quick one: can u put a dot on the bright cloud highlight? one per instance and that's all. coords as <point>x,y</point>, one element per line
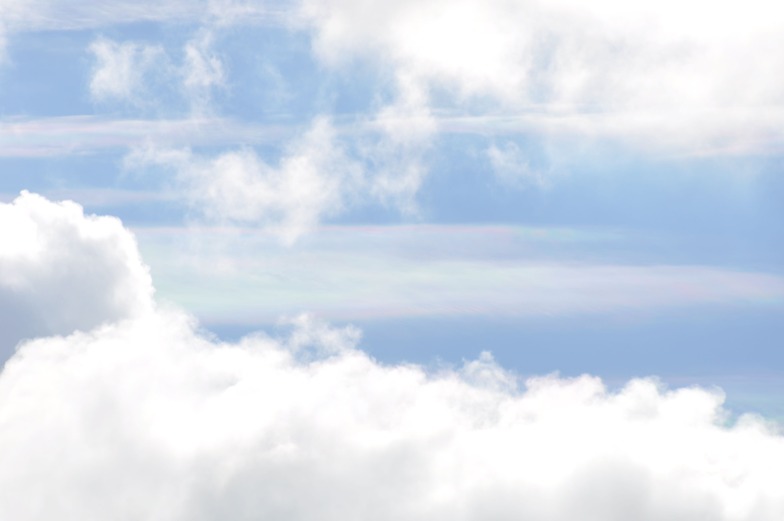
<point>61,270</point>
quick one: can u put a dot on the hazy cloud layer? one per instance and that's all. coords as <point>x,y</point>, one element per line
<point>348,273</point>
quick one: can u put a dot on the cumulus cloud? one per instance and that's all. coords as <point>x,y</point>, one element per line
<point>64,135</point>
<point>650,68</point>
<point>61,270</point>
<point>314,179</point>
<point>3,44</point>
<point>148,420</point>
<point>145,418</point>
<point>24,15</point>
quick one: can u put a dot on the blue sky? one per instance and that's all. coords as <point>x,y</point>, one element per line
<point>576,189</point>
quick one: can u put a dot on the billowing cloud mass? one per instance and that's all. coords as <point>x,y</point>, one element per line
<point>146,419</point>
<point>61,270</point>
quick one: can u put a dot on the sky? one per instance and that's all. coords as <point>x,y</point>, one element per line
<point>428,259</point>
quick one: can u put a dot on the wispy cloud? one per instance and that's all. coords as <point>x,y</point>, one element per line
<point>139,74</point>
<point>37,137</point>
<point>696,132</point>
<point>64,135</point>
<point>202,71</point>
<point>511,167</point>
<point>120,70</point>
<point>36,15</point>
<point>347,272</point>
<point>313,179</point>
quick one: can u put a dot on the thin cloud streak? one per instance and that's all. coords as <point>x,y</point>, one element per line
<point>82,134</point>
<point>62,15</point>
<point>86,134</point>
<point>146,419</point>
<point>370,274</point>
<point>709,132</point>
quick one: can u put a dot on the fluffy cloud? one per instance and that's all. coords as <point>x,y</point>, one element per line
<point>147,419</point>
<point>315,178</point>
<point>710,72</point>
<point>61,270</point>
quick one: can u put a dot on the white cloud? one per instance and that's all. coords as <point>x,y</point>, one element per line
<point>402,133</point>
<point>120,70</point>
<point>61,270</point>
<point>145,419</point>
<point>314,179</point>
<point>668,63</point>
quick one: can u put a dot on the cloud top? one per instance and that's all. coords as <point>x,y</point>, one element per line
<point>148,420</point>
